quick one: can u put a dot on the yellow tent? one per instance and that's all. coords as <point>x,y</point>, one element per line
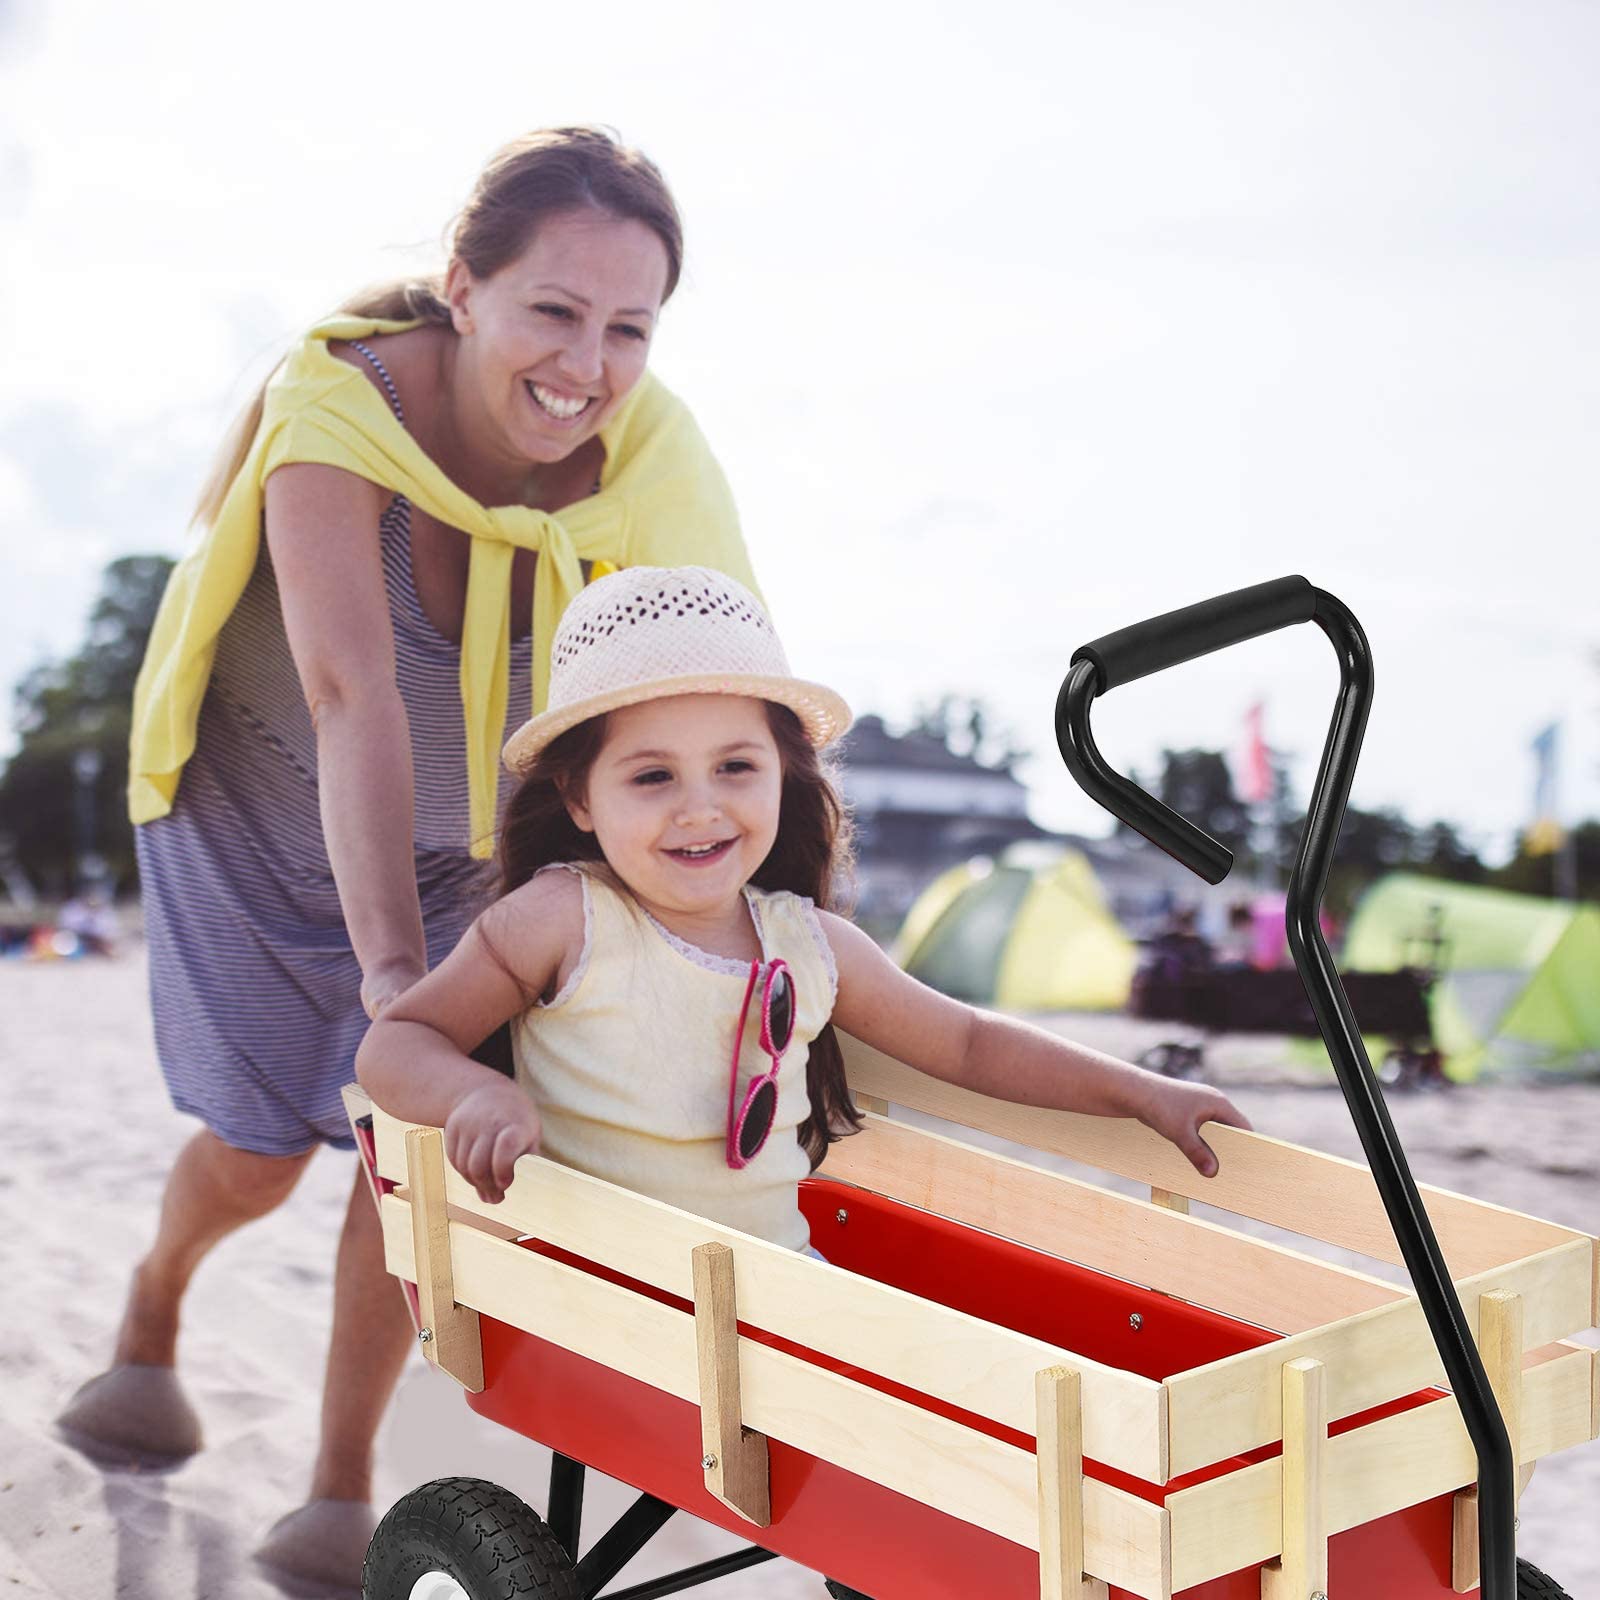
<point>1021,936</point>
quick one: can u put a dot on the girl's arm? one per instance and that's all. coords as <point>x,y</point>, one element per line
<point>1006,1058</point>
<point>414,1061</point>
<point>322,532</point>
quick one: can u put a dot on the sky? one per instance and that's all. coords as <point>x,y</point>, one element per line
<point>1010,323</point>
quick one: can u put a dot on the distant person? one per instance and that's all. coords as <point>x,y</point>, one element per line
<point>1180,949</point>
<point>92,920</point>
<point>1235,949</point>
<point>437,472</point>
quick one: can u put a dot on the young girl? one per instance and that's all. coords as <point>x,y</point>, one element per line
<point>662,946</point>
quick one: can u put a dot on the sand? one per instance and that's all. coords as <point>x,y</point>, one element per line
<point>91,1135</point>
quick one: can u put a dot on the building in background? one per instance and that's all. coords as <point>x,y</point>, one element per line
<point>919,808</point>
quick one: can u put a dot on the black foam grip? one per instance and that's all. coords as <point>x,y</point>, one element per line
<point>1164,641</point>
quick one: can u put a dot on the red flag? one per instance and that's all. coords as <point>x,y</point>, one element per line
<point>1255,766</point>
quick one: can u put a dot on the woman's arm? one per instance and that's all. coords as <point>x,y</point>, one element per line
<point>322,532</point>
<point>414,1061</point>
<point>1007,1058</point>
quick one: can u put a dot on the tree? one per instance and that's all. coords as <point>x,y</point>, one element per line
<point>1198,785</point>
<point>967,727</point>
<point>70,770</point>
<point>1538,873</point>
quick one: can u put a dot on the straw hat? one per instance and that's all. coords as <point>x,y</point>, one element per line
<point>647,633</point>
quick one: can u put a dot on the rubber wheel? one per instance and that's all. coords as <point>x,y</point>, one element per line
<point>1532,1584</point>
<point>839,1592</point>
<point>476,1540</point>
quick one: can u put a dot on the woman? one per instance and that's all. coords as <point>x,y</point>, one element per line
<point>319,714</point>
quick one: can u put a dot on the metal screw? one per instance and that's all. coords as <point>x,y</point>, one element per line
<point>426,1336</point>
<point>1318,1595</point>
<point>841,1215</point>
<point>708,1462</point>
<point>1136,1322</point>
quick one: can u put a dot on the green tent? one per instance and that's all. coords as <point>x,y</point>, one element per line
<point>1019,934</point>
<point>1519,983</point>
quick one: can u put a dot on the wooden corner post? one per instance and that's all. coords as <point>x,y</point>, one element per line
<point>735,1457</point>
<point>1500,1348</point>
<point>1058,1393</point>
<point>449,1332</point>
<point>1301,1572</point>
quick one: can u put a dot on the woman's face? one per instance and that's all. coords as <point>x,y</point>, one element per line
<point>554,340</point>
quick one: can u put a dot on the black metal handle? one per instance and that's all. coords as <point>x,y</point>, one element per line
<point>1197,630</point>
<point>1140,649</point>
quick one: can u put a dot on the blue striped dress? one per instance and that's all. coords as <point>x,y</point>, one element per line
<point>254,986</point>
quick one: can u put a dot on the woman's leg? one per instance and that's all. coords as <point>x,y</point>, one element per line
<point>137,1411</point>
<point>326,1539</point>
<point>372,1336</point>
<point>213,1190</point>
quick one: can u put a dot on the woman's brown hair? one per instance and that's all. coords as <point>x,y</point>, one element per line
<point>533,178</point>
<point>811,856</point>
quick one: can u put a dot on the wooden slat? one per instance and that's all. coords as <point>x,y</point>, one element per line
<point>1233,1405</point>
<point>449,1330</point>
<point>735,1459</point>
<point>1465,1559</point>
<point>1060,1450</point>
<point>1169,1201</point>
<point>958,1358</point>
<point>1320,1196</point>
<point>1195,1260</point>
<point>929,1458</point>
<point>1236,1521</point>
<point>1302,1570</point>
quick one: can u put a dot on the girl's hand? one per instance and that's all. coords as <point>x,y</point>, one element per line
<point>1176,1110</point>
<point>489,1128</point>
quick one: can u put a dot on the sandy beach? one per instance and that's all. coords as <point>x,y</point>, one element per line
<point>92,1136</point>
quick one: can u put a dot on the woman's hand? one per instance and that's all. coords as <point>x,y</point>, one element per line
<point>385,983</point>
<point>490,1127</point>
<point>1176,1110</point>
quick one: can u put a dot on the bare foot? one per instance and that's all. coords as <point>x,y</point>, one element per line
<point>133,1415</point>
<point>324,1542</point>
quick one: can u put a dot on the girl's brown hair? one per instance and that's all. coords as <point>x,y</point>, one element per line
<point>527,182</point>
<point>811,856</point>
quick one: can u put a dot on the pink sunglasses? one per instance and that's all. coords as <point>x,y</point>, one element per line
<point>748,1130</point>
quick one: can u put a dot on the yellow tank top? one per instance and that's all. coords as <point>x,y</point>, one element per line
<point>629,1063</point>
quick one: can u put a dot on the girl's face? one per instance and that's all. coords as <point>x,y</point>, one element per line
<point>554,340</point>
<point>684,798</point>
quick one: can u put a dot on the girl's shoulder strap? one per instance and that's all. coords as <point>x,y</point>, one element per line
<point>794,931</point>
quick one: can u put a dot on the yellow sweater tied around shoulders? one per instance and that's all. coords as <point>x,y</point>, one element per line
<point>663,501</point>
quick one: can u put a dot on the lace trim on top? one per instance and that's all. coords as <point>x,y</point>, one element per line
<point>740,969</point>
<point>824,949</point>
<point>576,976</point>
<point>705,958</point>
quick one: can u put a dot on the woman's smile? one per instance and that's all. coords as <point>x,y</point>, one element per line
<point>558,405</point>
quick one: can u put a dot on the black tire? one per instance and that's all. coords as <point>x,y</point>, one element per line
<point>840,1592</point>
<point>1532,1584</point>
<point>483,1536</point>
